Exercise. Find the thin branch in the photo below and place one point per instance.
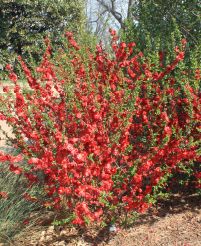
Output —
(182, 27)
(194, 14)
(116, 14)
(98, 17)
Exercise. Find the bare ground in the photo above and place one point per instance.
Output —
(175, 221)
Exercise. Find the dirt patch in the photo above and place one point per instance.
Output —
(175, 221)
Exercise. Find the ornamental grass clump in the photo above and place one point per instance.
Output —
(105, 134)
(17, 214)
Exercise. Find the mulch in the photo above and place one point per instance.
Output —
(173, 221)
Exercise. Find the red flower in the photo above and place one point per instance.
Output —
(9, 67)
(13, 77)
(113, 32)
(140, 54)
(47, 203)
(3, 194)
(5, 89)
(69, 204)
(67, 190)
(57, 199)
(57, 206)
(69, 35)
(47, 41)
(180, 57)
(183, 41)
(61, 190)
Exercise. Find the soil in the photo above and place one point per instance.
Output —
(174, 221)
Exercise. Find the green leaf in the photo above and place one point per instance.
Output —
(112, 221)
(103, 223)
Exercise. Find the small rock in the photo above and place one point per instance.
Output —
(113, 228)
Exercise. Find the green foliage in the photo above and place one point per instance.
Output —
(24, 24)
(161, 24)
(65, 221)
(113, 221)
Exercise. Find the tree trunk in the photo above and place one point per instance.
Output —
(130, 5)
(19, 48)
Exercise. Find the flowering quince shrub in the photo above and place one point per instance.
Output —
(105, 133)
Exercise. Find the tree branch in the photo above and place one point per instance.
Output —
(130, 5)
(116, 14)
(98, 17)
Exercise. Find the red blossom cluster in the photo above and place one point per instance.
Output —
(89, 144)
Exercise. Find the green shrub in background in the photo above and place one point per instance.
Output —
(160, 25)
(24, 24)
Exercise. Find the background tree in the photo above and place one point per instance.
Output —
(97, 20)
(161, 24)
(24, 24)
(158, 25)
(105, 14)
